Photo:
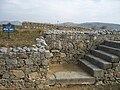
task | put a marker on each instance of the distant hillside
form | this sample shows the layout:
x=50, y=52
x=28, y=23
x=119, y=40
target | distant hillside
x=12, y=22
x=69, y=24
x=98, y=25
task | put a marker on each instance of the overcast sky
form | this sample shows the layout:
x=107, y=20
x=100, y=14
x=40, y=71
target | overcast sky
x=52, y=11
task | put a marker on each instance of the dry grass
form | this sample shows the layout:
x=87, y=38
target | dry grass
x=20, y=37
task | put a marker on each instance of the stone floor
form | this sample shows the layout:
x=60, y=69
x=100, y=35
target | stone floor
x=68, y=74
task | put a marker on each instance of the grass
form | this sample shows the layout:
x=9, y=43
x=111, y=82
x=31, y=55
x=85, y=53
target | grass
x=20, y=37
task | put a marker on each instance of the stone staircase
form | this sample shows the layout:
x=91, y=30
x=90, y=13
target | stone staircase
x=101, y=59
x=93, y=66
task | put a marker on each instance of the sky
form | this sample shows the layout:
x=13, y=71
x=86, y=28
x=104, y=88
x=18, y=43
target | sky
x=59, y=11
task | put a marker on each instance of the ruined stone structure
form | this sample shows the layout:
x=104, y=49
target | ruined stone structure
x=31, y=25
x=30, y=67
x=76, y=43
x=24, y=67
x=73, y=46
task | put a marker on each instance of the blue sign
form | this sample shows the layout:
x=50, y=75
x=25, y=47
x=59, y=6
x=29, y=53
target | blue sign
x=8, y=27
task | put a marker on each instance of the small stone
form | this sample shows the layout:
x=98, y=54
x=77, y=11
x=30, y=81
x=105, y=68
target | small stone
x=42, y=56
x=22, y=50
x=118, y=67
x=11, y=61
x=33, y=45
x=3, y=50
x=18, y=73
x=45, y=62
x=41, y=49
x=28, y=62
x=55, y=51
x=40, y=86
x=27, y=49
x=1, y=55
x=38, y=45
x=94, y=38
x=6, y=75
x=99, y=83
x=48, y=54
x=35, y=49
x=15, y=50
x=118, y=74
x=62, y=55
x=19, y=48
x=34, y=75
x=22, y=56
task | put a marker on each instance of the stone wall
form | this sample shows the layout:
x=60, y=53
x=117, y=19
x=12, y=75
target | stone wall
x=67, y=46
x=27, y=67
x=45, y=26
x=24, y=67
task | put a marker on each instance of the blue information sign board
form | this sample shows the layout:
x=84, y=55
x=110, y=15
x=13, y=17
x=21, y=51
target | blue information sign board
x=8, y=27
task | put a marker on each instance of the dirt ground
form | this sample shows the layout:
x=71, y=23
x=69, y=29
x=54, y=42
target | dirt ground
x=63, y=67
x=88, y=87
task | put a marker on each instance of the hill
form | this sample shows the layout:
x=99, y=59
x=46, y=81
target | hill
x=97, y=25
x=12, y=22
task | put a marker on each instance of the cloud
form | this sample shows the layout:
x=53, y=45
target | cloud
x=60, y=10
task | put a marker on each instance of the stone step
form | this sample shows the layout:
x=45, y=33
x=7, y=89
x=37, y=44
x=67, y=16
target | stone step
x=108, y=49
x=115, y=44
x=68, y=78
x=90, y=68
x=106, y=56
x=98, y=62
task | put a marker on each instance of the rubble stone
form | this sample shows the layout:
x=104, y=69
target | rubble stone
x=34, y=75
x=18, y=73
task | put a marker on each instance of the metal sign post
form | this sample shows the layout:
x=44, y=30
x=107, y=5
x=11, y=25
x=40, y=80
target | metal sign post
x=8, y=28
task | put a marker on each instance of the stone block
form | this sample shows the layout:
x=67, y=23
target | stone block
x=1, y=55
x=28, y=62
x=42, y=55
x=35, y=49
x=36, y=54
x=22, y=56
x=18, y=73
x=33, y=75
x=15, y=50
x=55, y=51
x=6, y=75
x=3, y=50
x=41, y=49
x=62, y=55
x=11, y=61
x=48, y=54
x=45, y=62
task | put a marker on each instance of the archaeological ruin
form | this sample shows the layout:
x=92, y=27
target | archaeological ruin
x=69, y=56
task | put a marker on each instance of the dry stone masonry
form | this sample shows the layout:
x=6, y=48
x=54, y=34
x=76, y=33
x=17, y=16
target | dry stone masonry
x=45, y=26
x=28, y=66
x=69, y=45
x=24, y=67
